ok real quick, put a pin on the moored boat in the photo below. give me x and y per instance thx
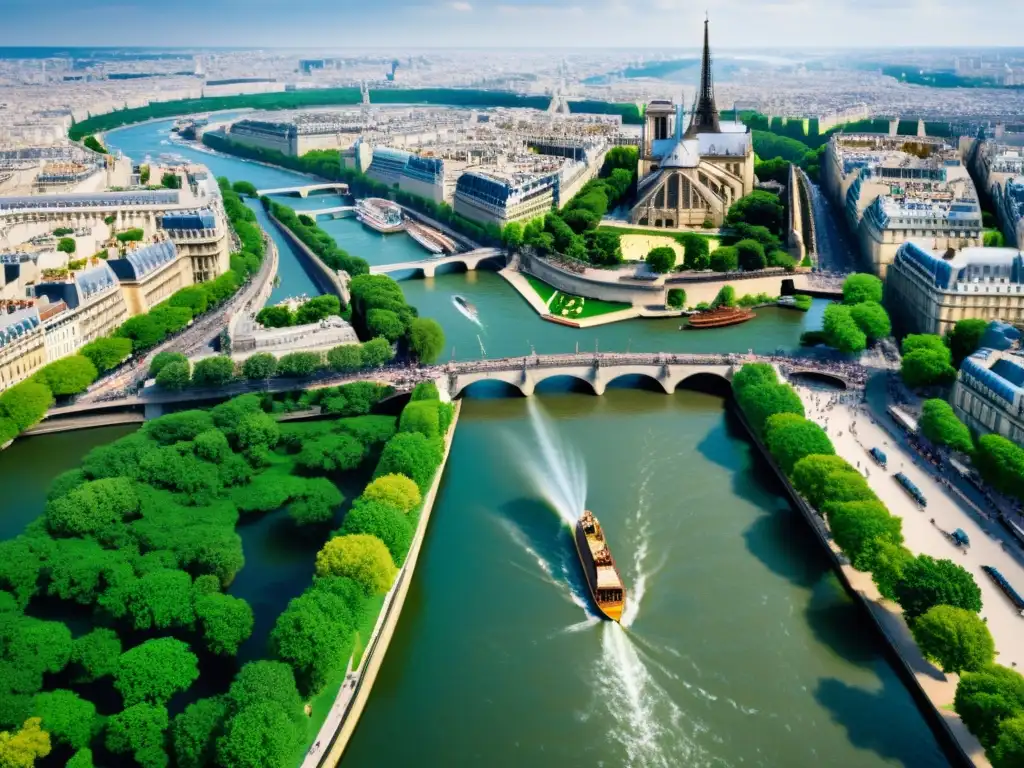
(380, 215)
(602, 575)
(429, 238)
(719, 317)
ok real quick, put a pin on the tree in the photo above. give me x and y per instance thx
(195, 298)
(856, 525)
(842, 332)
(385, 323)
(170, 180)
(226, 622)
(1001, 463)
(987, 698)
(174, 376)
(155, 671)
(66, 717)
(162, 359)
(245, 188)
(91, 142)
(750, 255)
(360, 557)
(957, 639)
(676, 298)
(512, 236)
(81, 759)
(425, 390)
(92, 506)
(67, 245)
(862, 287)
(928, 582)
(925, 341)
(779, 258)
(696, 251)
(139, 730)
(69, 375)
(872, 319)
(385, 522)
(318, 308)
(25, 404)
(260, 736)
(96, 654)
(160, 599)
(314, 636)
(299, 364)
(258, 430)
(176, 427)
(376, 353)
(887, 563)
(965, 339)
(927, 367)
(194, 732)
(317, 503)
(426, 340)
(260, 366)
(790, 437)
(421, 416)
(661, 260)
(275, 317)
(754, 373)
(725, 258)
(759, 208)
(213, 371)
(266, 681)
(345, 358)
(939, 424)
(212, 445)
(1008, 751)
(21, 749)
(413, 455)
(726, 297)
(811, 473)
(761, 401)
(107, 352)
(395, 490)
(227, 416)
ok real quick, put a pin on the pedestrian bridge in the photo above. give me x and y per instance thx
(428, 267)
(304, 190)
(335, 212)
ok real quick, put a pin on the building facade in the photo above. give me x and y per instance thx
(989, 393)
(22, 345)
(203, 238)
(150, 274)
(929, 291)
(94, 307)
(692, 176)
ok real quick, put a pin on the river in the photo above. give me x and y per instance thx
(741, 648)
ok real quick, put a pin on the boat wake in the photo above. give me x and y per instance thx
(641, 540)
(464, 311)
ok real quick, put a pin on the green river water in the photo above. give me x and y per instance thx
(741, 648)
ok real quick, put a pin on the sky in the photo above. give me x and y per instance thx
(341, 24)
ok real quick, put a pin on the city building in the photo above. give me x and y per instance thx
(687, 177)
(1000, 168)
(80, 308)
(150, 274)
(301, 134)
(989, 393)
(203, 238)
(490, 195)
(22, 343)
(928, 292)
(898, 188)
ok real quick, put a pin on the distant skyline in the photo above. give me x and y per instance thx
(338, 24)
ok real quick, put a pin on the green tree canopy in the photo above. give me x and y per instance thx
(194, 732)
(337, 452)
(395, 490)
(226, 622)
(726, 297)
(176, 427)
(314, 636)
(872, 319)
(275, 316)
(174, 376)
(887, 563)
(965, 339)
(21, 748)
(939, 424)
(928, 582)
(25, 404)
(96, 654)
(299, 364)
(790, 437)
(661, 260)
(856, 525)
(213, 371)
(318, 308)
(759, 208)
(376, 353)
(155, 671)
(345, 358)
(725, 258)
(317, 503)
(811, 473)
(925, 367)
(426, 340)
(195, 298)
(107, 352)
(67, 245)
(139, 731)
(760, 401)
(385, 323)
(754, 373)
(360, 557)
(413, 455)
(68, 718)
(842, 332)
(421, 416)
(69, 375)
(750, 255)
(1001, 463)
(676, 298)
(261, 735)
(696, 251)
(161, 359)
(957, 639)
(862, 287)
(987, 698)
(92, 507)
(1008, 751)
(379, 519)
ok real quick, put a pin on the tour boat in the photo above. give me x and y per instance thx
(603, 578)
(719, 318)
(464, 306)
(380, 215)
(429, 238)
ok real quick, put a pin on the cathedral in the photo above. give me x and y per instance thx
(690, 175)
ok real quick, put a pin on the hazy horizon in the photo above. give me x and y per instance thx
(514, 24)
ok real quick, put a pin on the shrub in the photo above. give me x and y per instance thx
(162, 359)
(67, 245)
(872, 319)
(360, 557)
(421, 416)
(299, 364)
(425, 390)
(676, 298)
(317, 503)
(696, 251)
(661, 260)
(862, 287)
(176, 427)
(395, 490)
(725, 259)
(385, 522)
(750, 255)
(726, 297)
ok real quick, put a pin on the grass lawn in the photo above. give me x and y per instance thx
(365, 627)
(560, 301)
(654, 232)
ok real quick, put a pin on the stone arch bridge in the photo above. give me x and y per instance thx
(428, 267)
(599, 370)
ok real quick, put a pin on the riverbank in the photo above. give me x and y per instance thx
(931, 688)
(355, 691)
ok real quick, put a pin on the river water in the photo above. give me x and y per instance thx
(740, 649)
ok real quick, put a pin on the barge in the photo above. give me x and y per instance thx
(719, 317)
(599, 567)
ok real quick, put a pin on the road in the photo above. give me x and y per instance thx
(836, 250)
(948, 510)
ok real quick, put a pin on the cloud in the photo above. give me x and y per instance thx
(460, 6)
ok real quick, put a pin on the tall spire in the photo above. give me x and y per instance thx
(705, 113)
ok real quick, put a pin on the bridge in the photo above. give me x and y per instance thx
(599, 370)
(304, 190)
(335, 212)
(428, 267)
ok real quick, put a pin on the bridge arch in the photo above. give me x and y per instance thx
(710, 382)
(578, 379)
(651, 381)
(820, 376)
(490, 388)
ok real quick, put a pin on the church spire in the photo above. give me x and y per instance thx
(705, 113)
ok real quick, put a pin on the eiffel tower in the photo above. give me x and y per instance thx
(705, 113)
